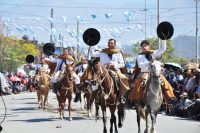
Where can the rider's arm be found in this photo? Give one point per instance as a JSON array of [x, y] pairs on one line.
[[51, 59], [160, 51], [94, 53]]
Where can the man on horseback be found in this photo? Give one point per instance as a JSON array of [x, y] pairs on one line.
[[41, 65], [61, 62], [142, 62], [112, 59]]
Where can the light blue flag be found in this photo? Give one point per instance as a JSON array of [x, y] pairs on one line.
[[108, 15], [94, 16], [64, 18], [127, 15], [81, 19], [50, 20]]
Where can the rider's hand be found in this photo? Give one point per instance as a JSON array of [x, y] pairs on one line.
[[110, 66]]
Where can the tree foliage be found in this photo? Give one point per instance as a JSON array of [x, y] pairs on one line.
[[13, 53]]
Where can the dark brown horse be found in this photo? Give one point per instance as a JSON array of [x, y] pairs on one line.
[[65, 88], [106, 94]]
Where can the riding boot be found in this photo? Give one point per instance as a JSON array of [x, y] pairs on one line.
[[77, 93]]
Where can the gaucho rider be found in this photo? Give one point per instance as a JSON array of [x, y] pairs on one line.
[[112, 59], [61, 62], [142, 61]]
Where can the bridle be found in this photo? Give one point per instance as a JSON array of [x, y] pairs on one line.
[[99, 80]]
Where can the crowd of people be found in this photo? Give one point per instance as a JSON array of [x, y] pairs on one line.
[[15, 84], [186, 87]]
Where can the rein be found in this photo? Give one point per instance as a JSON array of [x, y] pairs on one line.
[[100, 81], [63, 87]]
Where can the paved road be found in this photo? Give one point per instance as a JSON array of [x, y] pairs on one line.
[[23, 116]]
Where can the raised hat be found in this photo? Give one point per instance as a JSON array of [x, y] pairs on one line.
[[91, 37], [49, 49], [165, 30], [29, 58]]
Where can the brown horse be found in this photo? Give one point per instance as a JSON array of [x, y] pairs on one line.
[[43, 86], [103, 86], [65, 88]]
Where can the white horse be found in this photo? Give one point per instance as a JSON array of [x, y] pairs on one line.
[[153, 98]]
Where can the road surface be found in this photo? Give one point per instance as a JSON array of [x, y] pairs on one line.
[[23, 116]]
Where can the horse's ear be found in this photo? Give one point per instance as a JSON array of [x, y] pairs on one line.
[[94, 60]]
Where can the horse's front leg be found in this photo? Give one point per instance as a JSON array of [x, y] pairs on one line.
[[42, 101], [60, 107], [39, 100], [153, 122], [45, 99], [147, 121], [97, 111], [104, 120], [138, 111], [69, 107], [113, 120], [88, 104]]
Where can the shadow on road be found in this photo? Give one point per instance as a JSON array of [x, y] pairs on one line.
[[35, 120]]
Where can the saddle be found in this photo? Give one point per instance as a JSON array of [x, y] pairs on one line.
[[116, 80], [145, 80]]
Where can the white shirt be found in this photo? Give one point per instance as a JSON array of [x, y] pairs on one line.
[[143, 62], [38, 66], [58, 62], [117, 58], [190, 84]]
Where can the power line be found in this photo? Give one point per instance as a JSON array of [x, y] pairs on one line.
[[86, 7]]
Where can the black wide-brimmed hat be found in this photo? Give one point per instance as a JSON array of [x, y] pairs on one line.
[[29, 58], [49, 49], [165, 30], [91, 36]]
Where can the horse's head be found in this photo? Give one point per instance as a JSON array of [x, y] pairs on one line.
[[42, 79], [69, 70], [155, 68], [95, 67]]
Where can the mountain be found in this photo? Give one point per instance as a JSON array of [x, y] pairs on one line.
[[185, 46]]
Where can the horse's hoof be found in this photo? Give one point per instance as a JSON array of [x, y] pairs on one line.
[[146, 131], [153, 131], [70, 118], [120, 125], [61, 118], [58, 126], [98, 118]]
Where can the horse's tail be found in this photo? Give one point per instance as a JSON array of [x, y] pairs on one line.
[[121, 114]]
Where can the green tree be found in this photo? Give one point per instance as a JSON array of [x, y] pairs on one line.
[[13, 53]]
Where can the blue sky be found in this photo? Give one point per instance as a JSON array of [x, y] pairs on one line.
[[24, 13]]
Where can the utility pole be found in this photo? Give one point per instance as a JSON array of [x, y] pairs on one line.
[[145, 27], [77, 50], [158, 18], [197, 43], [51, 38]]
